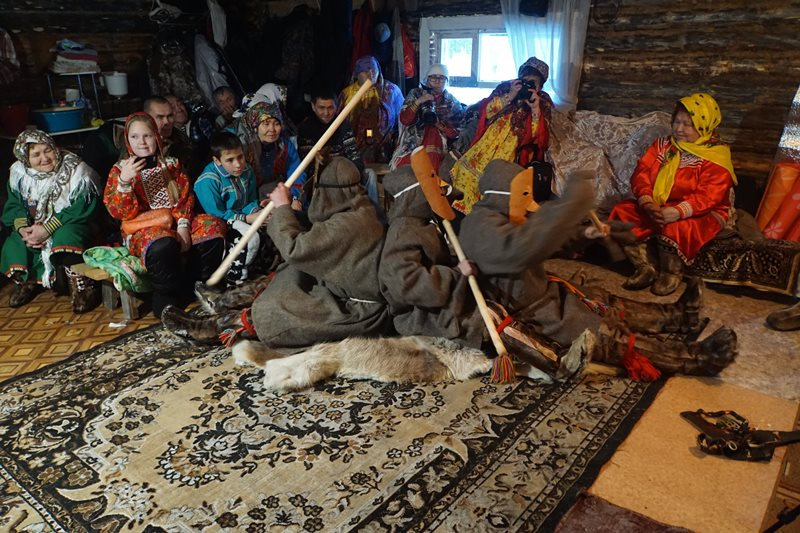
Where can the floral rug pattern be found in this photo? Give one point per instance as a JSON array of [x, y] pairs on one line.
[[147, 433]]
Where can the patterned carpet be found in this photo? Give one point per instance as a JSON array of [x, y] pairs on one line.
[[146, 433]]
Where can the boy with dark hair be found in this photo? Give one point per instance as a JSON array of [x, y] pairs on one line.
[[227, 189]]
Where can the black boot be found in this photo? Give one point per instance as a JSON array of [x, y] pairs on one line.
[[670, 272], [645, 272]]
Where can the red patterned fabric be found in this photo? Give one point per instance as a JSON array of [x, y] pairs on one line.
[[124, 206], [701, 186]]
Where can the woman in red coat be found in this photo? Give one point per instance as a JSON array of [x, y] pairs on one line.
[[682, 186]]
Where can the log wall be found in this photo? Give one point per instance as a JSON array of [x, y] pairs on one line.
[[746, 54]]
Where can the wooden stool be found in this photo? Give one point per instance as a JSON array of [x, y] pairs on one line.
[[128, 299]]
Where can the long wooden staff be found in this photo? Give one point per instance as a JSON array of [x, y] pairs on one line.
[[219, 273], [503, 367]]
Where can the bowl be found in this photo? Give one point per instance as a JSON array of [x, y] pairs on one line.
[[55, 119]]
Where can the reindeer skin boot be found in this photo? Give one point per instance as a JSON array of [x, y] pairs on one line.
[[671, 355], [202, 329], [671, 272], [645, 272], [85, 295]]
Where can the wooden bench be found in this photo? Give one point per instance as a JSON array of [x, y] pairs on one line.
[[129, 300]]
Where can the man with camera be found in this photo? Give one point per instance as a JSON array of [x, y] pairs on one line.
[[429, 117], [513, 125]]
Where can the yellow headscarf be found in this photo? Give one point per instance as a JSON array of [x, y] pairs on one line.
[[706, 116]]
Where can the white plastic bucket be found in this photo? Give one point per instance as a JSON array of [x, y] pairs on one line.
[[116, 83]]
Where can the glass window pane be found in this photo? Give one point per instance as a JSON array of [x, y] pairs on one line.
[[495, 62], [457, 55]]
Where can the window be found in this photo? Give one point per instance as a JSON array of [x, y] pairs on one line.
[[476, 51]]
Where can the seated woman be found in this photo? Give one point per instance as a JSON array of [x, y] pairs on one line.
[[514, 126], [682, 186], [52, 196], [430, 117], [375, 116], [152, 197], [273, 157]]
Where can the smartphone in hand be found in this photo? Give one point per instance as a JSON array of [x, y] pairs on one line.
[[150, 161]]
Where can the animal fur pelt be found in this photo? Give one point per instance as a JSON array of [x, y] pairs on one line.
[[398, 359]]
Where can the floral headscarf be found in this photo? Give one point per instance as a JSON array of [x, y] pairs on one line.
[[141, 116], [49, 188], [29, 137], [536, 64], [261, 112], [153, 179], [706, 116]]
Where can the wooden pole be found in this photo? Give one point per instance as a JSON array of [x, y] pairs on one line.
[[219, 273]]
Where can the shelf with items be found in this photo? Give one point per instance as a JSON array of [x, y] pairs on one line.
[[91, 75]]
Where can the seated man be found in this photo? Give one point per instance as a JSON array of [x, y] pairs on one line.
[[225, 100], [342, 142], [176, 143]]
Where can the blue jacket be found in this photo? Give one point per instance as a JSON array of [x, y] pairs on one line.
[[224, 196]]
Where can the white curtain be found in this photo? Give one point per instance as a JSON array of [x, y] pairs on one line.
[[557, 39]]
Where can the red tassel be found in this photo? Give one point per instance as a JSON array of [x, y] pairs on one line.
[[228, 336], [502, 369], [638, 366]]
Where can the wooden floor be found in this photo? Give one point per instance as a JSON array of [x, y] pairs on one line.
[[46, 331]]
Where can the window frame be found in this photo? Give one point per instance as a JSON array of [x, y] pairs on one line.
[[434, 29]]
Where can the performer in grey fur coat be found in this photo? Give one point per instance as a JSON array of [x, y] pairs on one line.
[[327, 289], [510, 257], [426, 292]]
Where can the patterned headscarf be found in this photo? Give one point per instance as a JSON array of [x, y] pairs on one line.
[[21, 148], [141, 116], [48, 188], [536, 64], [261, 112], [706, 116], [155, 178]]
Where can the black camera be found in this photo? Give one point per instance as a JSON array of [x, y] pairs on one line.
[[428, 114], [527, 90]]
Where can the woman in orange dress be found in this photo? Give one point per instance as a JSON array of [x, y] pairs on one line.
[[682, 186]]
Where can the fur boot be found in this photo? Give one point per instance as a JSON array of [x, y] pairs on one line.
[[201, 329], [671, 355], [398, 359], [670, 272], [237, 297], [682, 316], [786, 319], [645, 272], [23, 291], [84, 291]]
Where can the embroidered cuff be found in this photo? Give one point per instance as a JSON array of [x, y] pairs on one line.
[[685, 209], [413, 106], [645, 199], [52, 225], [122, 187], [20, 223], [184, 223], [240, 217]]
